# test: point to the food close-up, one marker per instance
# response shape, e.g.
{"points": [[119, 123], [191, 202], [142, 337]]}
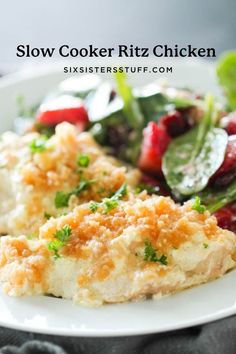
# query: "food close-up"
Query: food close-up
{"points": [[130, 190]]}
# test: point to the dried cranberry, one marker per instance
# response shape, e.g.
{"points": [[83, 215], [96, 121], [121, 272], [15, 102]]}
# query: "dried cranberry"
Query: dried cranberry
{"points": [[229, 123], [228, 167], [174, 123], [226, 217], [225, 179]]}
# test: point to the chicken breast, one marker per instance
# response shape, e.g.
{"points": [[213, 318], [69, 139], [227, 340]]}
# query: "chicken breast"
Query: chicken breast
{"points": [[40, 178], [115, 252]]}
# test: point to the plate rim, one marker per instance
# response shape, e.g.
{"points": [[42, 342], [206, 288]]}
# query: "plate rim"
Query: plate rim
{"points": [[120, 333]]}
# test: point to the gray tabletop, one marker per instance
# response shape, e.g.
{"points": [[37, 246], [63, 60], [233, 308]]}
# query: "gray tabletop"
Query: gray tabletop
{"points": [[215, 338]]}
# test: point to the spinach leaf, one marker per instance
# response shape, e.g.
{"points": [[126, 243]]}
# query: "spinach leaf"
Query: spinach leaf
{"points": [[133, 115], [183, 102], [187, 175], [226, 72], [216, 199], [131, 106], [204, 126], [194, 157], [153, 103]]}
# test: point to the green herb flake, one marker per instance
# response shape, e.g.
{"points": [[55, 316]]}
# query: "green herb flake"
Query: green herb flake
{"points": [[55, 246], [62, 198], [93, 206], [121, 192], [82, 186], [200, 208], [205, 245], [113, 202], [39, 144], [62, 236], [47, 215], [150, 254], [109, 204], [83, 160]]}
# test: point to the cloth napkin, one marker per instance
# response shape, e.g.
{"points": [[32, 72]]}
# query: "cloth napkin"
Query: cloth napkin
{"points": [[214, 338]]}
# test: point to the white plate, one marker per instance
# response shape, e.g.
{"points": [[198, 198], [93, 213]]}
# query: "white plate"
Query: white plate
{"points": [[55, 316]]}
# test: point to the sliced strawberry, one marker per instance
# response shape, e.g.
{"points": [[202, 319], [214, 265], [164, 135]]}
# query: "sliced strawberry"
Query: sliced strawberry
{"points": [[154, 145], [174, 123], [63, 109], [229, 123], [229, 164], [226, 217]]}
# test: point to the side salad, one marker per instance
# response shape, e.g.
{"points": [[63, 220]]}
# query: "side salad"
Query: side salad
{"points": [[183, 142]]}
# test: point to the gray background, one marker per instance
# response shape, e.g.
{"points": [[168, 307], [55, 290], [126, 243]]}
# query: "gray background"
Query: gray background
{"points": [[209, 23]]}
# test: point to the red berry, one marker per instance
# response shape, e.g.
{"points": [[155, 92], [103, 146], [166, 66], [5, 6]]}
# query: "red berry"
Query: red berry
{"points": [[174, 123], [63, 109], [229, 123], [224, 179], [229, 162], [154, 145], [226, 217], [154, 182]]}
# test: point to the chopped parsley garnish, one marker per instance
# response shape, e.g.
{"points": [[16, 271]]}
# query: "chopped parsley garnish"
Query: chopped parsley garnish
{"points": [[93, 206], [47, 215], [64, 233], [83, 160], [39, 144], [62, 236], [150, 189], [82, 186], [151, 255], [205, 245], [55, 246], [198, 206], [62, 198], [120, 193], [111, 203]]}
